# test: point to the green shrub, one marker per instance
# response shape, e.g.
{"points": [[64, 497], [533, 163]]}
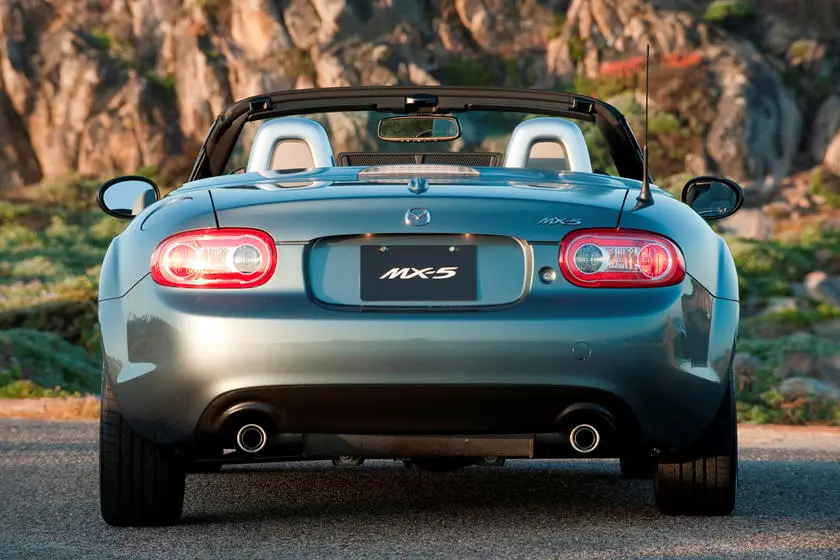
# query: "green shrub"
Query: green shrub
{"points": [[50, 259], [30, 360], [557, 25], [577, 49], [297, 62], [74, 195], [801, 48], [166, 82], [26, 389], [729, 12], [768, 268], [67, 308], [100, 38], [603, 87], [803, 317], [666, 123], [826, 185], [466, 72], [762, 403]]}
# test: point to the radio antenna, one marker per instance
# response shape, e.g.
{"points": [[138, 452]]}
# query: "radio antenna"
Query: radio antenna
{"points": [[645, 197]]}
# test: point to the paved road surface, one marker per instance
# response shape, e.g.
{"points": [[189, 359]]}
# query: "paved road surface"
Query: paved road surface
{"points": [[789, 507]]}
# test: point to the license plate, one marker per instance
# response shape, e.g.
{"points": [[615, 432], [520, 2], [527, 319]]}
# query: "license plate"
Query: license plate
{"points": [[418, 273]]}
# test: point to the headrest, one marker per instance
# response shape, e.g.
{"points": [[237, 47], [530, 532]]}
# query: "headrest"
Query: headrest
{"points": [[277, 130], [548, 129]]}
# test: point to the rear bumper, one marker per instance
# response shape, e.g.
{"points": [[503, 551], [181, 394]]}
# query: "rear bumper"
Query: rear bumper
{"points": [[657, 361]]}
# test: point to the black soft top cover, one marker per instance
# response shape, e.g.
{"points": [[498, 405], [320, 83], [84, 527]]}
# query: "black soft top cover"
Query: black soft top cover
{"points": [[225, 131]]}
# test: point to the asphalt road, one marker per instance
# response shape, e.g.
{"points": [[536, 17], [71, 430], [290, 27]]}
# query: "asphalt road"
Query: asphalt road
{"points": [[789, 507]]}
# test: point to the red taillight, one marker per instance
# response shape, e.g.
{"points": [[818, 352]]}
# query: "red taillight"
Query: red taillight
{"points": [[612, 258], [215, 258]]}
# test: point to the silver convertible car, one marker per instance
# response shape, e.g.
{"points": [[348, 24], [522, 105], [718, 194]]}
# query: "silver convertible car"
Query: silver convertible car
{"points": [[429, 274]]}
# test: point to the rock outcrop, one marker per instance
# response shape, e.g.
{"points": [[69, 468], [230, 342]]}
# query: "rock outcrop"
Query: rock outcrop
{"points": [[755, 132], [105, 87], [825, 136]]}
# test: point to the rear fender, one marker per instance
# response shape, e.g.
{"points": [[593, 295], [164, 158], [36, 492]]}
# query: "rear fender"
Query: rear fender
{"points": [[707, 257], [128, 258]]}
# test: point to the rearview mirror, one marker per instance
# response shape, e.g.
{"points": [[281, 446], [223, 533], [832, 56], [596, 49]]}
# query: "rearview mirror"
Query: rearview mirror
{"points": [[713, 197], [125, 197], [419, 128]]}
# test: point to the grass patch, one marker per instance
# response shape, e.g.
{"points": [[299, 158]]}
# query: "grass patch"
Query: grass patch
{"points": [[42, 364], [50, 257]]}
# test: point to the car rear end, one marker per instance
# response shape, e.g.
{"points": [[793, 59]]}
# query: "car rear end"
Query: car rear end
{"points": [[509, 317]]}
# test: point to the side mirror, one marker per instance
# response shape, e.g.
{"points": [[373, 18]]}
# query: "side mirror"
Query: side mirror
{"points": [[713, 197], [125, 197]]}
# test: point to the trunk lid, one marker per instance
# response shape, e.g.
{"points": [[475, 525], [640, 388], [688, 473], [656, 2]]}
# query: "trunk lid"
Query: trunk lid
{"points": [[509, 209], [368, 245]]}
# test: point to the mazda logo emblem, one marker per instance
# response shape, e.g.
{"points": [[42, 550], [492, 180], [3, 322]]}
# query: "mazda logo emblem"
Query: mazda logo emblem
{"points": [[417, 217]]}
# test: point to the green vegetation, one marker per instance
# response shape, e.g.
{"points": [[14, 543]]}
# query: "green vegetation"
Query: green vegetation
{"points": [[801, 48], [771, 408], [827, 186], [297, 62], [769, 268], [42, 364], [603, 87], [466, 72], [557, 25], [577, 49], [100, 38], [728, 12], [666, 123], [761, 402], [165, 82], [50, 256], [800, 317], [598, 150]]}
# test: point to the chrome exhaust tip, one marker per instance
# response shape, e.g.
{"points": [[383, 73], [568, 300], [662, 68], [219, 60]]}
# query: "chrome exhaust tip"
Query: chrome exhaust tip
{"points": [[584, 438], [251, 438]]}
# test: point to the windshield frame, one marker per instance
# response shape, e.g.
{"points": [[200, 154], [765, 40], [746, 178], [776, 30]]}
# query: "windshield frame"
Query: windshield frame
{"points": [[225, 131]]}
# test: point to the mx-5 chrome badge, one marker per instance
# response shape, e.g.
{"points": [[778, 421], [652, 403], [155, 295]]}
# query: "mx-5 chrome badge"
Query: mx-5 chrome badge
{"points": [[431, 272], [553, 221], [417, 217]]}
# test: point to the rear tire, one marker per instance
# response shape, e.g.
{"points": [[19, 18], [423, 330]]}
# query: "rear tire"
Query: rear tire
{"points": [[705, 481], [140, 483]]}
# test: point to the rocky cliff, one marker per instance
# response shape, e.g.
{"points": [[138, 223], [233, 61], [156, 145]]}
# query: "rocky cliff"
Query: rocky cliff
{"points": [[108, 86]]}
